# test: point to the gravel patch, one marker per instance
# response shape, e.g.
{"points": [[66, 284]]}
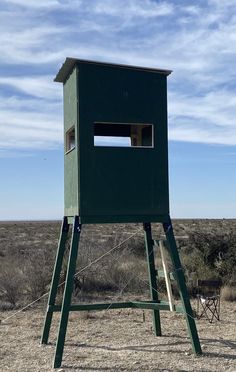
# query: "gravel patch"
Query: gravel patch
{"points": [[118, 340]]}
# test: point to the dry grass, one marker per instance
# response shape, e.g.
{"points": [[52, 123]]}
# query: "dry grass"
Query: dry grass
{"points": [[119, 340], [228, 293]]}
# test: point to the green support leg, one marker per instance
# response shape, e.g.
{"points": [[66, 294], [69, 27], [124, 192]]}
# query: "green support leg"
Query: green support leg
{"points": [[173, 251], [55, 279], [67, 292], [152, 276]]}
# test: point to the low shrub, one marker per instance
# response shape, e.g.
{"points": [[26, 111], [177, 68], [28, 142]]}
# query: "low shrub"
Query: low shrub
{"points": [[38, 271], [26, 265], [11, 283], [209, 255]]}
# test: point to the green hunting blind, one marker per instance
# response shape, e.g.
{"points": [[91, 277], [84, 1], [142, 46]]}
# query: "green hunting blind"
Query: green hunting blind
{"points": [[115, 128], [116, 171]]}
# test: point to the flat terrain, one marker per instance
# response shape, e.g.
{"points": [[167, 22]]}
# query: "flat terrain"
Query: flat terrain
{"points": [[114, 340], [117, 340]]}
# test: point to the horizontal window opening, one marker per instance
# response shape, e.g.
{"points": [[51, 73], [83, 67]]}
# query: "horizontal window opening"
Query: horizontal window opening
{"points": [[123, 135], [70, 139]]}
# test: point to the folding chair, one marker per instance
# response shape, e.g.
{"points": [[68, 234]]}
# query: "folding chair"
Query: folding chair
{"points": [[208, 299]]}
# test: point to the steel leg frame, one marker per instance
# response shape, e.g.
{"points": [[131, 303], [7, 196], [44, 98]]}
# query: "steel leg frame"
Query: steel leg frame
{"points": [[152, 275], [66, 303], [155, 305], [55, 279], [173, 251]]}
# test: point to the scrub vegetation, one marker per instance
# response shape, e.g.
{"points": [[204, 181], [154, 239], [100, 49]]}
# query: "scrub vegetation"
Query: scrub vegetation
{"points": [[27, 253]]}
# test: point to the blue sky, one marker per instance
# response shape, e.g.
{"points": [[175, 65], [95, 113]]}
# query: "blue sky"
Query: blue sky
{"points": [[195, 39]]}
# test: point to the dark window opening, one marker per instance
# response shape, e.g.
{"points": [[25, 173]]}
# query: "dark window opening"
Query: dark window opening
{"points": [[70, 139], [123, 135]]}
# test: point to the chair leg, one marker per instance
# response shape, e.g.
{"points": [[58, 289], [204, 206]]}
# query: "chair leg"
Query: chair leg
{"points": [[210, 308], [213, 308]]}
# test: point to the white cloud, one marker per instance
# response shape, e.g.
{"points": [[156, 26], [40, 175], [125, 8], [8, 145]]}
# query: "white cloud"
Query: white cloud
{"points": [[190, 133], [196, 41], [37, 86], [30, 123], [29, 131], [192, 9], [25, 43], [33, 3], [130, 8], [204, 119]]}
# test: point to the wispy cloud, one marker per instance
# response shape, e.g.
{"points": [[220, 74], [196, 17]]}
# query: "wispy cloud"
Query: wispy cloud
{"points": [[36, 86], [29, 123], [197, 41], [34, 4], [29, 130], [130, 8], [209, 118]]}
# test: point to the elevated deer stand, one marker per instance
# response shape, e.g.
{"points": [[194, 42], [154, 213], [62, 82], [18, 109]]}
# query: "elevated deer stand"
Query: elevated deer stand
{"points": [[116, 171]]}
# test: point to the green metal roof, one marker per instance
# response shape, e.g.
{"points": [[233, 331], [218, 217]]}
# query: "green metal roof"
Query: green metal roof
{"points": [[69, 64]]}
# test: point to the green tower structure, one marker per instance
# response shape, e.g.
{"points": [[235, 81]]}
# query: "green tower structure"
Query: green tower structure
{"points": [[116, 171]]}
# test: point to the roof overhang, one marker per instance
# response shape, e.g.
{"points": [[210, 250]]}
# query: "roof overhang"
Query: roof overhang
{"points": [[70, 63]]}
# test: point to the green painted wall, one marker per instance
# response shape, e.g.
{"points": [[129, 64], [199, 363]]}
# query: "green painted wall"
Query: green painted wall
{"points": [[71, 170], [122, 183], [114, 184]]}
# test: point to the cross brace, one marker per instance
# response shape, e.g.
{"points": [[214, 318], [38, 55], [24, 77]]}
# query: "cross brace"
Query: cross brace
{"points": [[155, 304]]}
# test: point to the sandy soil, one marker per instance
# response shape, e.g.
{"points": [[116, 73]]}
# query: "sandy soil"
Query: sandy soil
{"points": [[118, 340]]}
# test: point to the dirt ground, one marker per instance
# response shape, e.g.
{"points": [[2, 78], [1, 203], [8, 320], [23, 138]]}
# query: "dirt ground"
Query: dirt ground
{"points": [[118, 340]]}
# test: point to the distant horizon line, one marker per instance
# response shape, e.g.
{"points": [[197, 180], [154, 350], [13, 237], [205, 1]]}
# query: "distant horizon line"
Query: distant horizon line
{"points": [[173, 218]]}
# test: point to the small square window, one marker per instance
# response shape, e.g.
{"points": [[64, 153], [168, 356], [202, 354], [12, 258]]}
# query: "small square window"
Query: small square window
{"points": [[70, 139]]}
